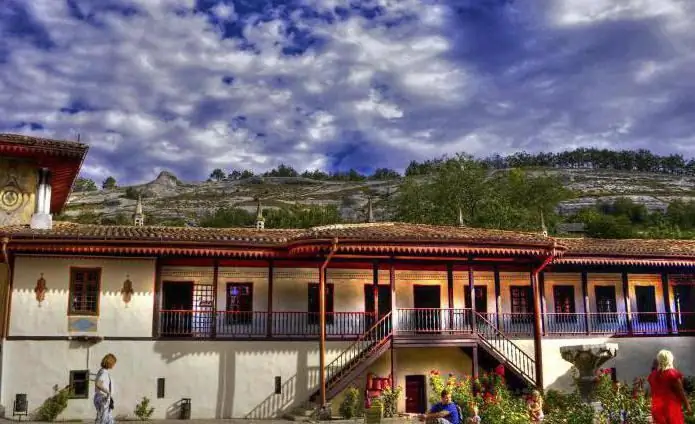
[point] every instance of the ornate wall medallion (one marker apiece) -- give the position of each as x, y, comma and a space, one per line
127, 291
18, 184
40, 289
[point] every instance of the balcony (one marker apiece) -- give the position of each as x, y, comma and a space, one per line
415, 322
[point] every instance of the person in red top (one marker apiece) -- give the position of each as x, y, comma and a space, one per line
666, 385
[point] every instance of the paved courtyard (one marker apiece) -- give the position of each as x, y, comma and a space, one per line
229, 421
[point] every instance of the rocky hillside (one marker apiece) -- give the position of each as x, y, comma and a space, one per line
167, 200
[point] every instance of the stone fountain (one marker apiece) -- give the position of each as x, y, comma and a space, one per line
588, 359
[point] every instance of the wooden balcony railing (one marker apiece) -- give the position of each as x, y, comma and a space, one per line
260, 324
433, 320
350, 325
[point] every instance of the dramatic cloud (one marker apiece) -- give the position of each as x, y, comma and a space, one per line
192, 85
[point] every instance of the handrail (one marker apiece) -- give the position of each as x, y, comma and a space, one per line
517, 358
364, 342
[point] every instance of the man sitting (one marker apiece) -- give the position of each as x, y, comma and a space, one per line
444, 412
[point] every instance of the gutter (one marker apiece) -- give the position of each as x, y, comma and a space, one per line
6, 301
322, 318
537, 316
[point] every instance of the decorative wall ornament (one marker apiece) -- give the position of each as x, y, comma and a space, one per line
127, 290
40, 289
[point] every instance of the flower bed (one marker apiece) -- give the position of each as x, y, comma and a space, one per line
621, 403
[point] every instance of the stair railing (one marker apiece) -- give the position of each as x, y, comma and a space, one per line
349, 358
494, 339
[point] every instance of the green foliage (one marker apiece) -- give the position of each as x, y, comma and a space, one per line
622, 401
350, 404
217, 174
389, 399
566, 408
119, 219
84, 184
109, 183
54, 405
143, 410
508, 200
291, 217
282, 171
132, 193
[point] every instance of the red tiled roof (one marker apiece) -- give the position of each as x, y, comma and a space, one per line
628, 247
63, 158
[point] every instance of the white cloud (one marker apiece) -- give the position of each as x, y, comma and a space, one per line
162, 89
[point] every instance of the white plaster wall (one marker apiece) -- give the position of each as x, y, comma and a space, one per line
222, 379
634, 359
50, 318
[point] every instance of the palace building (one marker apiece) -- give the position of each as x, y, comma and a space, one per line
255, 322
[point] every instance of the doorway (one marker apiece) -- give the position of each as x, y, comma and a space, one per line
415, 394
427, 301
684, 300
177, 307
480, 298
384, 293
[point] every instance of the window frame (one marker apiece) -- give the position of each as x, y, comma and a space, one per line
313, 316
243, 317
86, 380
71, 290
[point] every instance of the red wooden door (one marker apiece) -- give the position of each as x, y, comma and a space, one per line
415, 396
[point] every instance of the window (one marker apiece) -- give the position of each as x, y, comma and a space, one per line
521, 303
79, 384
84, 291
605, 304
314, 303
239, 303
645, 298
563, 297
160, 388
480, 298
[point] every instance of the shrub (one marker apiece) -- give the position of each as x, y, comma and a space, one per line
389, 398
622, 402
143, 410
54, 405
350, 404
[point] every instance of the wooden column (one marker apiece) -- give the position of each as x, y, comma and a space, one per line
471, 291
474, 359
544, 306
392, 285
585, 298
537, 336
375, 290
626, 297
156, 297
269, 313
498, 298
322, 334
215, 282
665, 286
450, 293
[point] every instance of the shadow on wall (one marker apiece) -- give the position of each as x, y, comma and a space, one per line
274, 405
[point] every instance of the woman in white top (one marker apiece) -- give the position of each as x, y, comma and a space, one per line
103, 400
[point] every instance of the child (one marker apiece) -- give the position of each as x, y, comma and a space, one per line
473, 417
535, 407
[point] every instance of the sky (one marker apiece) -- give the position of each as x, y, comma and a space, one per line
192, 85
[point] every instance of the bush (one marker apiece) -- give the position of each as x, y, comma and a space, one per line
143, 410
54, 405
389, 398
350, 404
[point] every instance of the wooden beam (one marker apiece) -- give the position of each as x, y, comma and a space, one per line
544, 306
375, 289
471, 291
450, 292
215, 285
156, 296
322, 334
474, 359
537, 331
269, 315
392, 285
498, 298
626, 297
665, 286
585, 299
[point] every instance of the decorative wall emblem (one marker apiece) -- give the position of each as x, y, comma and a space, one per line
40, 289
18, 181
82, 324
127, 291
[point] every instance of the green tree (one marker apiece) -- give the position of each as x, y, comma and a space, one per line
109, 183
84, 184
217, 174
